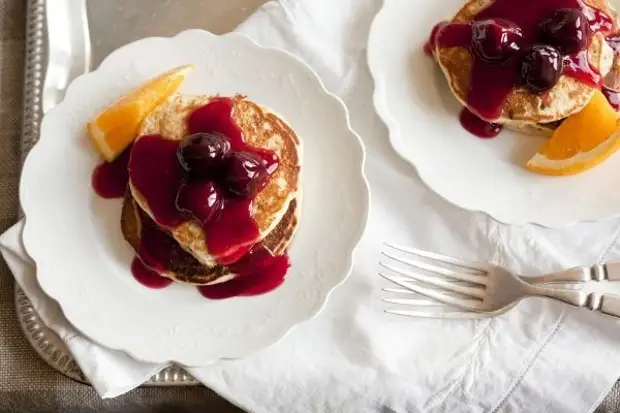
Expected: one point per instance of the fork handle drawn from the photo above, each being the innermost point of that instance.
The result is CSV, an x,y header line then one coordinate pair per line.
x,y
572,275
609,271
600,272
607,304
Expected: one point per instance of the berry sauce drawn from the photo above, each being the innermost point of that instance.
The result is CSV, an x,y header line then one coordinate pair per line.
x,y
109,179
157,248
148,277
259,272
431,44
215,117
157,172
478,127
507,30
158,175
578,67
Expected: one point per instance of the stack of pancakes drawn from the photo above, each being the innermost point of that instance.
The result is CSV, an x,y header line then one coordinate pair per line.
x,y
523,110
275,208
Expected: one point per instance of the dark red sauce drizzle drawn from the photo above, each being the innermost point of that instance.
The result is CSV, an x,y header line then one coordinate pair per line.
x,y
577,66
157,175
155,172
476,126
148,277
259,272
109,180
491,84
431,44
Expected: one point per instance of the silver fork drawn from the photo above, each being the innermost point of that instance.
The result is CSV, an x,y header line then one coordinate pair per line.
x,y
473,289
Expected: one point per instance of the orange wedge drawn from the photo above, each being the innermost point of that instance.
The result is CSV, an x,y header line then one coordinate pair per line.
x,y
582,141
116,126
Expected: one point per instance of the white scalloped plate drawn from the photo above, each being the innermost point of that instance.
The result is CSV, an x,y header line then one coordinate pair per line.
x,y
75,238
414,100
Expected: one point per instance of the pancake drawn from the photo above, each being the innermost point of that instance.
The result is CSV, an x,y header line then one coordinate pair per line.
x,y
611,81
262,129
524,110
534,129
183,267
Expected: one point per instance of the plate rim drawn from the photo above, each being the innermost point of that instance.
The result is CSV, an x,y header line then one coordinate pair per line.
x,y
395,137
29,230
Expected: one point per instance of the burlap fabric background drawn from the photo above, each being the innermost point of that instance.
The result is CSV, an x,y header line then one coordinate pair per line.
x,y
26,382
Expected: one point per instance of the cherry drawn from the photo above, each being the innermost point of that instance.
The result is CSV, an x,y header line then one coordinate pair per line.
x,y
201,200
201,154
541,68
244,173
566,29
496,40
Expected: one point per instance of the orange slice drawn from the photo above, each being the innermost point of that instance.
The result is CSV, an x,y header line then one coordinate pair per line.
x,y
113,129
582,141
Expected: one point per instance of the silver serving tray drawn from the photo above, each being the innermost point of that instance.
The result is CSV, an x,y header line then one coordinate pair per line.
x,y
58,49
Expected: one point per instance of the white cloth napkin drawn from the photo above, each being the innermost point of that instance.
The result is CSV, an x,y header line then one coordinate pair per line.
x,y
541,356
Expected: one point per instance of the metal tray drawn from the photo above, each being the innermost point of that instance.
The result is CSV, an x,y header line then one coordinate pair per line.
x,y
58,49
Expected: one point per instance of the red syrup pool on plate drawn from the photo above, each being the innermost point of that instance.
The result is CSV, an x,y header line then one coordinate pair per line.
x,y
505,42
478,127
109,179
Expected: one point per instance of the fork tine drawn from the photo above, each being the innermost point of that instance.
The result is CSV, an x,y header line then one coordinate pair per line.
x,y
415,302
470,265
473,278
398,290
467,304
455,315
409,292
438,282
